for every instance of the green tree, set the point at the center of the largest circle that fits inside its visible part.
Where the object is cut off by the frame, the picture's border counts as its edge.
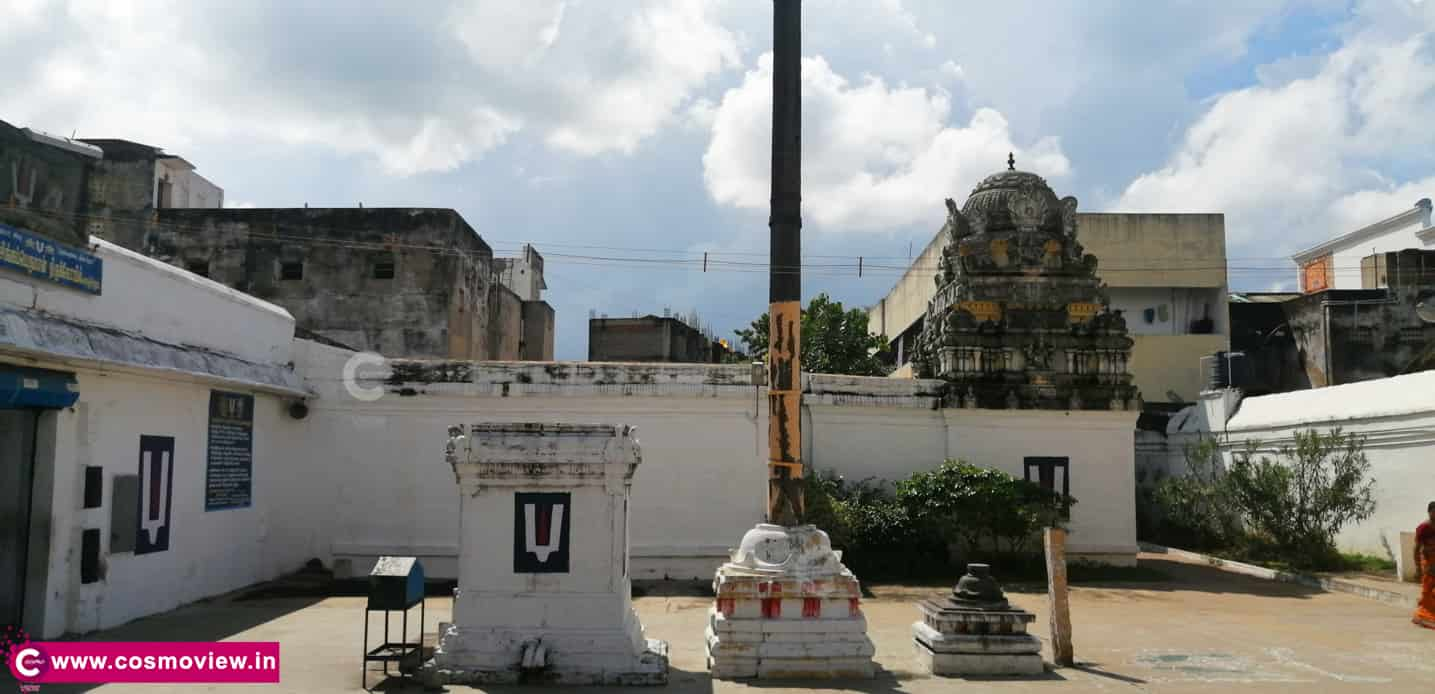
(834, 340)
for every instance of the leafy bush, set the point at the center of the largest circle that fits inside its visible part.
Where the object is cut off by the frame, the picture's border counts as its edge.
(1298, 504)
(864, 520)
(980, 510)
(1195, 511)
(1287, 510)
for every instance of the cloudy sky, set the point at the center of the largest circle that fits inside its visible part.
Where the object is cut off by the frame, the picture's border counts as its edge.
(626, 138)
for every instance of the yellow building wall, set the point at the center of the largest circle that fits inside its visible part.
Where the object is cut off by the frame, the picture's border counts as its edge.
(1171, 362)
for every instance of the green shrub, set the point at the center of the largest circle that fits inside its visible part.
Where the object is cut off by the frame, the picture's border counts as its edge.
(864, 520)
(1299, 504)
(1195, 511)
(909, 533)
(979, 511)
(1285, 510)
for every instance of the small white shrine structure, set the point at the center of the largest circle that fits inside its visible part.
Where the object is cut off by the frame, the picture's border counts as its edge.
(543, 589)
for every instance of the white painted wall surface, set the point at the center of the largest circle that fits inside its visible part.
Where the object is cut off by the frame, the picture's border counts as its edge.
(1408, 229)
(1182, 305)
(1347, 261)
(1396, 415)
(187, 188)
(209, 552)
(703, 479)
(165, 303)
(701, 486)
(1101, 448)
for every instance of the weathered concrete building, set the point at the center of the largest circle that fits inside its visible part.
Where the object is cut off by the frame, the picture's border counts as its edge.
(66, 189)
(404, 282)
(1355, 318)
(1336, 336)
(522, 278)
(399, 281)
(1165, 274)
(651, 339)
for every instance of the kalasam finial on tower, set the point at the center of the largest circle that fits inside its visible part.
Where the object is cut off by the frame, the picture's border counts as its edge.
(1010, 162)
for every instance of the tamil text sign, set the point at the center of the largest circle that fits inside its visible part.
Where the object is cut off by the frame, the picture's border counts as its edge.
(229, 472)
(44, 259)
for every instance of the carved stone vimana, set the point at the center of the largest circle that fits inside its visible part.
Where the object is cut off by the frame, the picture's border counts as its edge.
(1020, 319)
(976, 631)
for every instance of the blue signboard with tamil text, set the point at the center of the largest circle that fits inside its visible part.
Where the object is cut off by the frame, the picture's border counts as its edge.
(40, 257)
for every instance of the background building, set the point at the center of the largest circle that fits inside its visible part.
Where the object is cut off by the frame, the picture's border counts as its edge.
(1165, 272)
(113, 502)
(652, 339)
(66, 189)
(1351, 261)
(405, 282)
(522, 278)
(1355, 318)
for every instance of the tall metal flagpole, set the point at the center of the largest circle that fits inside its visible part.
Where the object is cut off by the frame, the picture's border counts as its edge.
(784, 399)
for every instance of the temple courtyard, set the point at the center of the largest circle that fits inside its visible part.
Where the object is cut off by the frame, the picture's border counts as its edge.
(1198, 630)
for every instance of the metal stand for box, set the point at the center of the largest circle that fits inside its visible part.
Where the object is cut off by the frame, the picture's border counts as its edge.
(395, 585)
(393, 651)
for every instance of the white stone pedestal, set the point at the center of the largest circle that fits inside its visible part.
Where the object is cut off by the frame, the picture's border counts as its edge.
(543, 592)
(976, 632)
(786, 607)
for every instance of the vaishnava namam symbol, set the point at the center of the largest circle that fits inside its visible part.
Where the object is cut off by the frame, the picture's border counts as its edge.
(540, 536)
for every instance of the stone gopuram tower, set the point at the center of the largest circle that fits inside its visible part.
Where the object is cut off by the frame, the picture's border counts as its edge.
(1020, 319)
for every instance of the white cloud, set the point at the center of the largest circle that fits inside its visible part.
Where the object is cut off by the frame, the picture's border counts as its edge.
(1295, 160)
(417, 87)
(1363, 207)
(676, 47)
(874, 157)
(508, 35)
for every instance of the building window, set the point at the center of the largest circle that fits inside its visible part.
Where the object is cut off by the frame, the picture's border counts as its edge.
(291, 270)
(1052, 473)
(384, 268)
(198, 267)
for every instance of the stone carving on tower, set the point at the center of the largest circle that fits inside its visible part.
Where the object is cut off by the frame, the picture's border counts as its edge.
(1020, 319)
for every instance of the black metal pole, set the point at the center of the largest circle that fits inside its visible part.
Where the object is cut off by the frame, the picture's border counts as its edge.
(784, 494)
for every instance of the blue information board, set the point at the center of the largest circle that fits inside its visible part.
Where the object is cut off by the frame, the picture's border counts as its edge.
(229, 472)
(40, 257)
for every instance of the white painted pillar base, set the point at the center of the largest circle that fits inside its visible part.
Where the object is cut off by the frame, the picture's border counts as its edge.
(786, 608)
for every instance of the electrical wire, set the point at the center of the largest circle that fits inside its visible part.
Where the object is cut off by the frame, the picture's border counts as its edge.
(671, 259)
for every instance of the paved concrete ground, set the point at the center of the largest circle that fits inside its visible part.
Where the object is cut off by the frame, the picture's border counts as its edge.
(1411, 591)
(1202, 631)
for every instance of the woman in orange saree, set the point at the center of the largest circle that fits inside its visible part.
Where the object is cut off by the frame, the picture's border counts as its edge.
(1425, 559)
